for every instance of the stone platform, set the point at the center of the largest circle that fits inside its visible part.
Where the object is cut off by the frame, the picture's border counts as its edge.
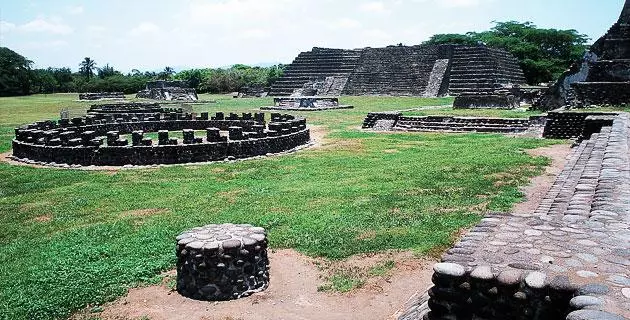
(572, 252)
(91, 96)
(306, 104)
(395, 121)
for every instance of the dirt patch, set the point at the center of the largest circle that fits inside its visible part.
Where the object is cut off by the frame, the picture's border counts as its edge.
(318, 137)
(44, 218)
(144, 212)
(292, 294)
(231, 195)
(540, 185)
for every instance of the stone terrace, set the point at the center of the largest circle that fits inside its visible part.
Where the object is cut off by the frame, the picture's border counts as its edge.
(482, 70)
(389, 71)
(318, 63)
(421, 70)
(577, 242)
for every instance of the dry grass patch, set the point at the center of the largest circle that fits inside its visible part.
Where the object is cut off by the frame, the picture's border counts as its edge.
(43, 218)
(144, 212)
(231, 195)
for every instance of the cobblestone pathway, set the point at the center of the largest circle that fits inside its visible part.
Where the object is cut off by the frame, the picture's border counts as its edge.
(580, 232)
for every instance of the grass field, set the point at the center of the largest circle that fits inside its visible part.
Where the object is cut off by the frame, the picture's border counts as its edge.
(69, 238)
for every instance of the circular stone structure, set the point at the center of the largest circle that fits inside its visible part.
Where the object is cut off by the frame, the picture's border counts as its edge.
(96, 138)
(222, 262)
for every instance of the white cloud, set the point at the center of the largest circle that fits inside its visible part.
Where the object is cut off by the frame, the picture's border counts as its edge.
(254, 34)
(377, 35)
(46, 26)
(346, 23)
(373, 6)
(237, 12)
(6, 26)
(53, 44)
(455, 3)
(75, 10)
(145, 28)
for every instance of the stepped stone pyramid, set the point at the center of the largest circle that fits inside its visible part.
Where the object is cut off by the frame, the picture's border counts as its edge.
(421, 70)
(602, 77)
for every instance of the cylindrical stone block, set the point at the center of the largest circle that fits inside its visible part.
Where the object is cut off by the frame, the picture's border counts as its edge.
(213, 134)
(235, 133)
(163, 137)
(222, 262)
(112, 137)
(188, 136)
(136, 137)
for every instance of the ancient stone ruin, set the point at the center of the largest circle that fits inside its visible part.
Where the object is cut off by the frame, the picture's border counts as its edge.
(91, 96)
(96, 138)
(568, 259)
(423, 70)
(168, 90)
(603, 75)
(306, 104)
(254, 91)
(395, 121)
(222, 262)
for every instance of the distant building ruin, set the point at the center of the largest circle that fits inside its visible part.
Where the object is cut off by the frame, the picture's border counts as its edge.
(168, 90)
(602, 77)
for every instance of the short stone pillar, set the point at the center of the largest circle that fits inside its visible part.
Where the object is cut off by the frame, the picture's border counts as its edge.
(163, 137)
(222, 262)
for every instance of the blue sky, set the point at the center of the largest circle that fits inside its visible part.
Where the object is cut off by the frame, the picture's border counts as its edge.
(149, 35)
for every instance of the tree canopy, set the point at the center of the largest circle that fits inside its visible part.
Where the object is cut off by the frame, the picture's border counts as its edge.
(543, 53)
(17, 77)
(15, 73)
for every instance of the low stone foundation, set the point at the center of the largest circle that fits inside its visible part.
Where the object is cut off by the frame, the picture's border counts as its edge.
(571, 125)
(101, 95)
(397, 122)
(486, 101)
(222, 262)
(601, 93)
(86, 141)
(306, 104)
(180, 94)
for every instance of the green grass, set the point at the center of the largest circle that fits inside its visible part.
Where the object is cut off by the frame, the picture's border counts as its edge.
(382, 269)
(69, 238)
(342, 282)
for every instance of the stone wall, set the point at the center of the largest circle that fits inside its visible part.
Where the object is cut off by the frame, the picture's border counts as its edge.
(98, 142)
(568, 125)
(589, 94)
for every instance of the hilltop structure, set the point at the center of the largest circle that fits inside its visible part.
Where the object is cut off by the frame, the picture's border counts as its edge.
(602, 77)
(421, 70)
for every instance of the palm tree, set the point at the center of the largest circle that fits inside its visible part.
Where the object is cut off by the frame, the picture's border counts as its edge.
(87, 67)
(167, 73)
